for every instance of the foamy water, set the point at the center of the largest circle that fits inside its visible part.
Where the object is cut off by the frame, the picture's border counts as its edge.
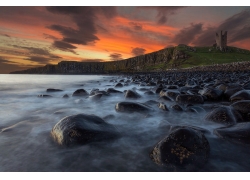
(26, 121)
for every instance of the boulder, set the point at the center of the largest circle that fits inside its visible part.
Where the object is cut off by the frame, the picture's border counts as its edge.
(184, 148)
(82, 129)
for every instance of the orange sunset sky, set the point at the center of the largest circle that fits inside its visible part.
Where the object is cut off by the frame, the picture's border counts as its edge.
(32, 36)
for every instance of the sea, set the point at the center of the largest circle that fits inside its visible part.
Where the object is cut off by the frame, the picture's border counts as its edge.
(26, 121)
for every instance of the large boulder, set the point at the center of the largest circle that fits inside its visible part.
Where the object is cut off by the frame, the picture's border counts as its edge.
(224, 115)
(240, 95)
(53, 90)
(189, 99)
(82, 129)
(129, 107)
(238, 133)
(80, 92)
(184, 148)
(130, 94)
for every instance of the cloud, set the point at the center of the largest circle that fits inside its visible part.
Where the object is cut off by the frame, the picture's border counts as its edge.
(48, 36)
(163, 12)
(136, 26)
(84, 18)
(63, 46)
(115, 56)
(138, 51)
(236, 25)
(188, 34)
(39, 59)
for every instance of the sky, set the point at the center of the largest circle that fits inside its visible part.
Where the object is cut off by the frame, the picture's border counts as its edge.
(33, 36)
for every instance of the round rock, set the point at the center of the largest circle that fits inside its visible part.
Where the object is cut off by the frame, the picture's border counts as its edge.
(82, 129)
(183, 148)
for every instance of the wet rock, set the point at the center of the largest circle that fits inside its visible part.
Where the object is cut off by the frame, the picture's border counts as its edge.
(230, 91)
(189, 99)
(164, 98)
(170, 93)
(176, 107)
(151, 102)
(53, 90)
(130, 94)
(118, 85)
(112, 90)
(82, 129)
(223, 115)
(80, 92)
(240, 95)
(183, 148)
(95, 97)
(65, 96)
(242, 106)
(211, 94)
(238, 133)
(129, 107)
(163, 107)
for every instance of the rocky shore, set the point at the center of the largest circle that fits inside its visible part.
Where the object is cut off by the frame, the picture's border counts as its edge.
(222, 95)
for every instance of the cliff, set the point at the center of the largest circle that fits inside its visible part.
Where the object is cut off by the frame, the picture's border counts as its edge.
(138, 63)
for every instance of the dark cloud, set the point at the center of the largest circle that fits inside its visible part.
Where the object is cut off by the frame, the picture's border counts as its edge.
(84, 18)
(38, 51)
(63, 46)
(6, 35)
(163, 12)
(92, 60)
(236, 25)
(39, 59)
(188, 34)
(138, 51)
(136, 26)
(48, 36)
(115, 56)
(242, 34)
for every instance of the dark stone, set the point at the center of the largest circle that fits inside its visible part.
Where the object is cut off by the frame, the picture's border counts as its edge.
(95, 97)
(53, 90)
(82, 129)
(132, 94)
(240, 95)
(129, 107)
(177, 107)
(80, 92)
(223, 115)
(162, 106)
(238, 133)
(118, 85)
(65, 96)
(189, 99)
(211, 94)
(112, 90)
(183, 148)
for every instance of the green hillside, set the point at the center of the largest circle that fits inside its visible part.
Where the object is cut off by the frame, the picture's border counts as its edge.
(198, 56)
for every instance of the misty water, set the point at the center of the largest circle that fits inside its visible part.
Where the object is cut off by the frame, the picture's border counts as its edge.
(26, 121)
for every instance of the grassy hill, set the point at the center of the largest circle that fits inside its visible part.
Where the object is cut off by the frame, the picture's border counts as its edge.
(198, 56)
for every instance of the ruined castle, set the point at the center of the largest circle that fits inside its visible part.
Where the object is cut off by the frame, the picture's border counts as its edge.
(221, 41)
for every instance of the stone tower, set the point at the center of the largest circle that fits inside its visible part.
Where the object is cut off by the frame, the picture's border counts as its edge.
(221, 41)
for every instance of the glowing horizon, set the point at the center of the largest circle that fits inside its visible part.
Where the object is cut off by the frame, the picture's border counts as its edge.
(36, 36)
